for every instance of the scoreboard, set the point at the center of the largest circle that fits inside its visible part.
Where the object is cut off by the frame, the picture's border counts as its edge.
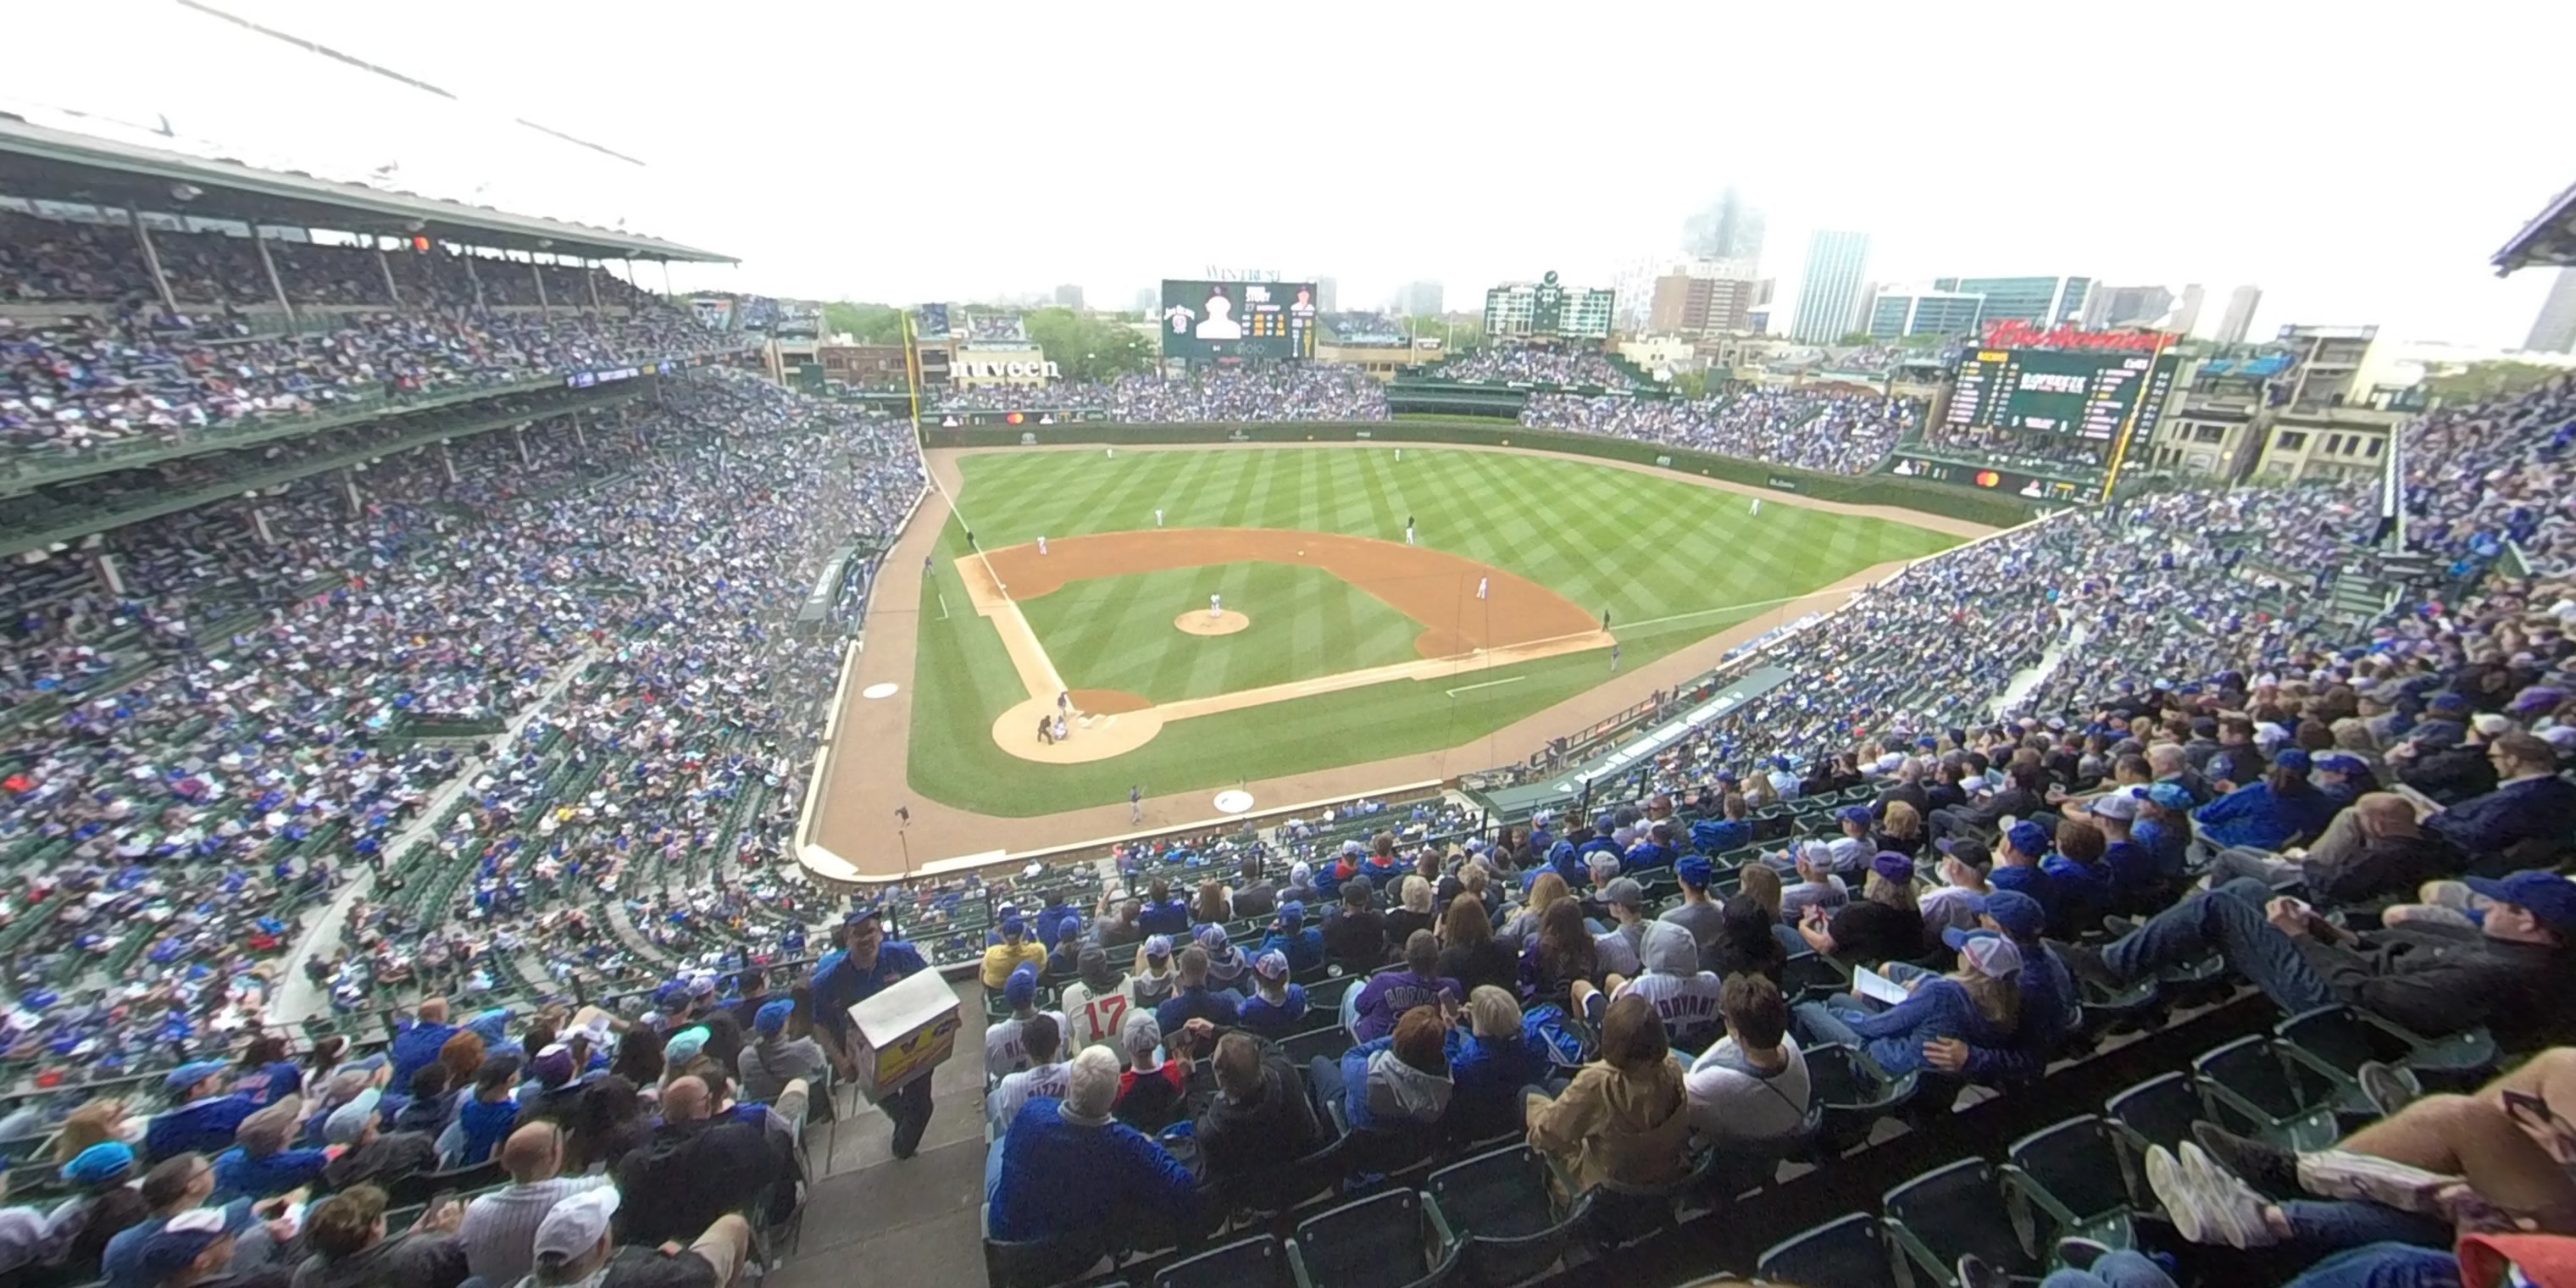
(1224, 320)
(2081, 393)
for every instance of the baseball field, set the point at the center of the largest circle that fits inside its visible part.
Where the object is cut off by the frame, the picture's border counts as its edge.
(1332, 640)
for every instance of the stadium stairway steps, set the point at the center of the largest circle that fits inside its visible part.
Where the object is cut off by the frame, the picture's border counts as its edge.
(297, 996)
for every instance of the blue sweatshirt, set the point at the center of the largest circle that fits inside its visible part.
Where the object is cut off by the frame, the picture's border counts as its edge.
(238, 1175)
(1938, 1008)
(1060, 1177)
(2252, 815)
(1274, 1020)
(199, 1126)
(1304, 947)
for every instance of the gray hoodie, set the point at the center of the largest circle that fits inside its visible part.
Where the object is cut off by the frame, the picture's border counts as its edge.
(1397, 1090)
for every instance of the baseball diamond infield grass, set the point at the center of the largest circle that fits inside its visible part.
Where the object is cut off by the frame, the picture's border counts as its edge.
(1671, 562)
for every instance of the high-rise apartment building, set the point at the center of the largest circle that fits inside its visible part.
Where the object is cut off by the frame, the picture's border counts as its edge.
(1901, 311)
(1069, 296)
(1418, 299)
(2188, 315)
(1328, 294)
(2239, 318)
(1829, 297)
(2041, 301)
(1689, 305)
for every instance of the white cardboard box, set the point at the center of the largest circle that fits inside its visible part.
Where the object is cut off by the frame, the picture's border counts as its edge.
(905, 1030)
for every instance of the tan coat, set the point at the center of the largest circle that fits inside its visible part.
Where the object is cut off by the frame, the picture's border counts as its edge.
(1609, 1125)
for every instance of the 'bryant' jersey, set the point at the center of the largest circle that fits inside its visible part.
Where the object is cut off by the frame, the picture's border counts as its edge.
(1003, 1051)
(1020, 1088)
(1095, 1018)
(1688, 1003)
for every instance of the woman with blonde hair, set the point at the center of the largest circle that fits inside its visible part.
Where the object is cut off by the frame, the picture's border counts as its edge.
(1885, 923)
(1491, 1062)
(1901, 829)
(1626, 1116)
(1413, 911)
(1546, 889)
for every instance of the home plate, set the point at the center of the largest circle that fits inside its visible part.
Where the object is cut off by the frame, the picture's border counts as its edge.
(880, 689)
(1234, 801)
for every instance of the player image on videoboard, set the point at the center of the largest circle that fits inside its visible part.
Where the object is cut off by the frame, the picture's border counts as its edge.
(1204, 320)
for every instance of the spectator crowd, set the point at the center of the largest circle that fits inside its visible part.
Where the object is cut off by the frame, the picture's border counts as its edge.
(2045, 769)
(1833, 432)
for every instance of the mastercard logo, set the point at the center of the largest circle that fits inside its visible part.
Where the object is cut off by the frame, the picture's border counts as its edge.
(1988, 478)
(1015, 418)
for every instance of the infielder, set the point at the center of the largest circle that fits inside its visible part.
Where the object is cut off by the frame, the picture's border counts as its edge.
(1480, 586)
(1041, 544)
(1158, 516)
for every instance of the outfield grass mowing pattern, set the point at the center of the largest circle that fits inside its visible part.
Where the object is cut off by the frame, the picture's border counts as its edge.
(1117, 632)
(1644, 548)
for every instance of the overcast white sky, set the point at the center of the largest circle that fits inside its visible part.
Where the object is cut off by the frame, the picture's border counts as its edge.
(2359, 167)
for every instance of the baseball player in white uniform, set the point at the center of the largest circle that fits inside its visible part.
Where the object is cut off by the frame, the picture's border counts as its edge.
(1041, 544)
(1216, 607)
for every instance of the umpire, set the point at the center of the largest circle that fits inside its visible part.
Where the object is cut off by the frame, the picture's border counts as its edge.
(867, 964)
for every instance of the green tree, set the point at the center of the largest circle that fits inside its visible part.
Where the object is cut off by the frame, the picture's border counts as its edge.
(1457, 332)
(868, 323)
(1089, 348)
(2479, 381)
(1689, 384)
(1854, 337)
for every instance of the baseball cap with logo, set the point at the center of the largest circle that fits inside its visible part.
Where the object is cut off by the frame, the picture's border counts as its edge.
(574, 1225)
(1992, 956)
(2544, 894)
(1696, 872)
(1272, 965)
(1624, 893)
(1893, 866)
(1158, 947)
(2020, 915)
(187, 1236)
(2120, 803)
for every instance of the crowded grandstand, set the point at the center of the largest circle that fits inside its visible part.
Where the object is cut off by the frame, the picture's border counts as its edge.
(410, 714)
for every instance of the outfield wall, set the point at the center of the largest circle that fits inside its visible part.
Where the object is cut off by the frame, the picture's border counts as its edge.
(1988, 508)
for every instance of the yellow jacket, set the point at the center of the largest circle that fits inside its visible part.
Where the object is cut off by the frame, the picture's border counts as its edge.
(1001, 959)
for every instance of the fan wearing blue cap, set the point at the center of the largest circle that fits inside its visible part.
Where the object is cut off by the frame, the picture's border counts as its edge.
(1004, 1052)
(202, 1117)
(2435, 980)
(2273, 812)
(2050, 1005)
(1291, 937)
(192, 1247)
(774, 1062)
(868, 963)
(1853, 849)
(1015, 950)
(2017, 864)
(1697, 913)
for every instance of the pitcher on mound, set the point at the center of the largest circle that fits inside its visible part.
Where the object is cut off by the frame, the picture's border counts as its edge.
(1216, 607)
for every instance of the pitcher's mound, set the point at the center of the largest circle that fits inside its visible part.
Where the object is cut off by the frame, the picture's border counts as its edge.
(1195, 622)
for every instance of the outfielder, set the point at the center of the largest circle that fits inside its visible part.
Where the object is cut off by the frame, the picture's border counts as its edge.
(1158, 516)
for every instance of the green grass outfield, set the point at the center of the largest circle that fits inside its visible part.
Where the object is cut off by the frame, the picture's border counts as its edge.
(1672, 562)
(1105, 632)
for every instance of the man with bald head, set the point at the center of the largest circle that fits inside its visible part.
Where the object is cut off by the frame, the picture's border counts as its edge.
(696, 1167)
(500, 1228)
